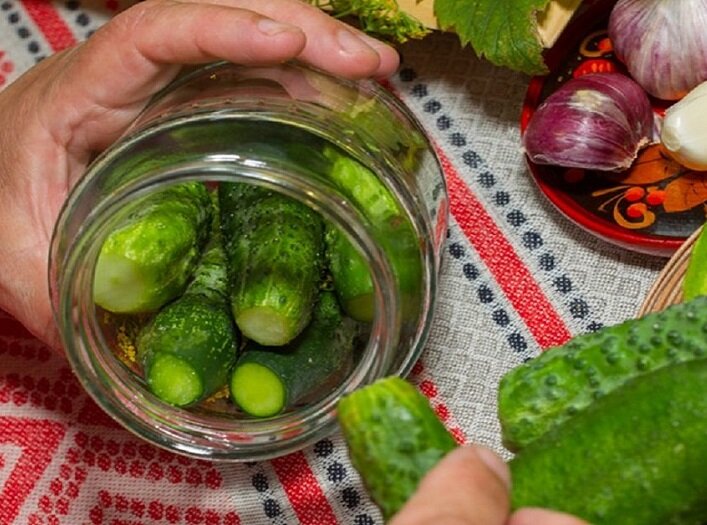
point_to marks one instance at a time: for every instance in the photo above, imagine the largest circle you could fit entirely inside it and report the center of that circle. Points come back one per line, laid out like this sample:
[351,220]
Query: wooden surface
[667,289]
[551,21]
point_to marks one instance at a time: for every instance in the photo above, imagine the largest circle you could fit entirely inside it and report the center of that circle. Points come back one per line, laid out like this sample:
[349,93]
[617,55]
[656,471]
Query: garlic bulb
[684,129]
[596,121]
[663,43]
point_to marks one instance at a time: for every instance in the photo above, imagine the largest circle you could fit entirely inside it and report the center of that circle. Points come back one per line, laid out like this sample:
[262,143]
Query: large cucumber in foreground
[188,348]
[394,438]
[546,391]
[266,381]
[274,246]
[695,282]
[148,260]
[635,457]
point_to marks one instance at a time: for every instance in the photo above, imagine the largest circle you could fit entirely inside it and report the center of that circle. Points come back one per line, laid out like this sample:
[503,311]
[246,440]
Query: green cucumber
[275,247]
[149,258]
[695,282]
[394,438]
[350,274]
[189,347]
[267,381]
[390,228]
[546,391]
[635,457]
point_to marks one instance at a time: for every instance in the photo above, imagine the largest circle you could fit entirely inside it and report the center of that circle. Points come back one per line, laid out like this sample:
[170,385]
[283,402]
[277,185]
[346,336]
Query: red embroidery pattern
[508,269]
[430,390]
[303,490]
[6,67]
[38,440]
[134,510]
[52,26]
[124,458]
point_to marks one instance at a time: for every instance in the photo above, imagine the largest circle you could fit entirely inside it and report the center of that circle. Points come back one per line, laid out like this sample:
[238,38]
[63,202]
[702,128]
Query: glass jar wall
[370,185]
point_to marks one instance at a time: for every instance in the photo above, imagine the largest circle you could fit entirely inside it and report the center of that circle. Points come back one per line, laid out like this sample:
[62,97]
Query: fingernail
[352,44]
[495,464]
[374,42]
[271,27]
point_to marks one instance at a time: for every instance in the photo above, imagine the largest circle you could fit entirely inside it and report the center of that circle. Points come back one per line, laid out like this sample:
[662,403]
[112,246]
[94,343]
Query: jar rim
[226,442]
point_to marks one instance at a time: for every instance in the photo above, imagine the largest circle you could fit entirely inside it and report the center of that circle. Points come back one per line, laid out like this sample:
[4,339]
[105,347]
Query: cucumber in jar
[149,258]
[392,231]
[274,246]
[266,381]
[189,347]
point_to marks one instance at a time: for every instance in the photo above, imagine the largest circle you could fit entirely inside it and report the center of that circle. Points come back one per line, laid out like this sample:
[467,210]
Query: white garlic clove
[684,130]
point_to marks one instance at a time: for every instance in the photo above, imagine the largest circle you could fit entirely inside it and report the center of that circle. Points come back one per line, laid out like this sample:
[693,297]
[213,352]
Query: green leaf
[505,32]
[381,18]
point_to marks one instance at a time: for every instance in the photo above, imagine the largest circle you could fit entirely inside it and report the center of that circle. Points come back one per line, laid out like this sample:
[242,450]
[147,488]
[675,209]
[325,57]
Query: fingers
[331,45]
[533,516]
[154,33]
[128,59]
[468,487]
[107,79]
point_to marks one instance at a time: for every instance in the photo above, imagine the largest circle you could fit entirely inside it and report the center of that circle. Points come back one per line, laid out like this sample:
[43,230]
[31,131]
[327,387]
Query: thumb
[533,516]
[468,487]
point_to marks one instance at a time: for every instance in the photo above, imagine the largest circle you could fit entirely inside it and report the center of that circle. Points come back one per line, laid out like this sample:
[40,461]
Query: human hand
[470,487]
[75,103]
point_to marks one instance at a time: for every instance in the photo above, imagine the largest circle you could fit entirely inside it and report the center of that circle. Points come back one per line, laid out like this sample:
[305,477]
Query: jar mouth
[204,434]
[125,396]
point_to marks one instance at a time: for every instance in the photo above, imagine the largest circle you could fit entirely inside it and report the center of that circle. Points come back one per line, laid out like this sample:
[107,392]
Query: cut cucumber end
[174,381]
[257,390]
[266,326]
[117,284]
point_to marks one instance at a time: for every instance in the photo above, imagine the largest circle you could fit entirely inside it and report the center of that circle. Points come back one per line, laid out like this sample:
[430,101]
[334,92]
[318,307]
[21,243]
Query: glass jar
[265,126]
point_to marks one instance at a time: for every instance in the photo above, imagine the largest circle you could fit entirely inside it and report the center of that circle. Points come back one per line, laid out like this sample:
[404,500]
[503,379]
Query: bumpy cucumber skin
[635,457]
[321,352]
[695,282]
[197,327]
[390,228]
[543,393]
[275,246]
[164,238]
[394,438]
[199,332]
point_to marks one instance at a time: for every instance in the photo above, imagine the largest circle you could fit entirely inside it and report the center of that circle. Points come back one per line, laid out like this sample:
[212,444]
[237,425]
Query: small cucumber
[637,456]
[546,391]
[350,274]
[189,347]
[267,381]
[394,438]
[695,282]
[392,231]
[275,247]
[148,260]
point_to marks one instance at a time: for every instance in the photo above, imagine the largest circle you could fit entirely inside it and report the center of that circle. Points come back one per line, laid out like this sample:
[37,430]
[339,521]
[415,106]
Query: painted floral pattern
[656,195]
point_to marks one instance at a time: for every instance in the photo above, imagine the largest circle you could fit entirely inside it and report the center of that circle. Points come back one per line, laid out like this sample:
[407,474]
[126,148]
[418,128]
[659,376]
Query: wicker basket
[667,289]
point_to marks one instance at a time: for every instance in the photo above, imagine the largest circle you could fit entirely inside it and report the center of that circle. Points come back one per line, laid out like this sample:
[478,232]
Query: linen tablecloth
[517,278]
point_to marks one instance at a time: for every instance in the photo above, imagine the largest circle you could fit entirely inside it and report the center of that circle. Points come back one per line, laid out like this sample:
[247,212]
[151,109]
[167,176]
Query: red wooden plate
[654,206]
